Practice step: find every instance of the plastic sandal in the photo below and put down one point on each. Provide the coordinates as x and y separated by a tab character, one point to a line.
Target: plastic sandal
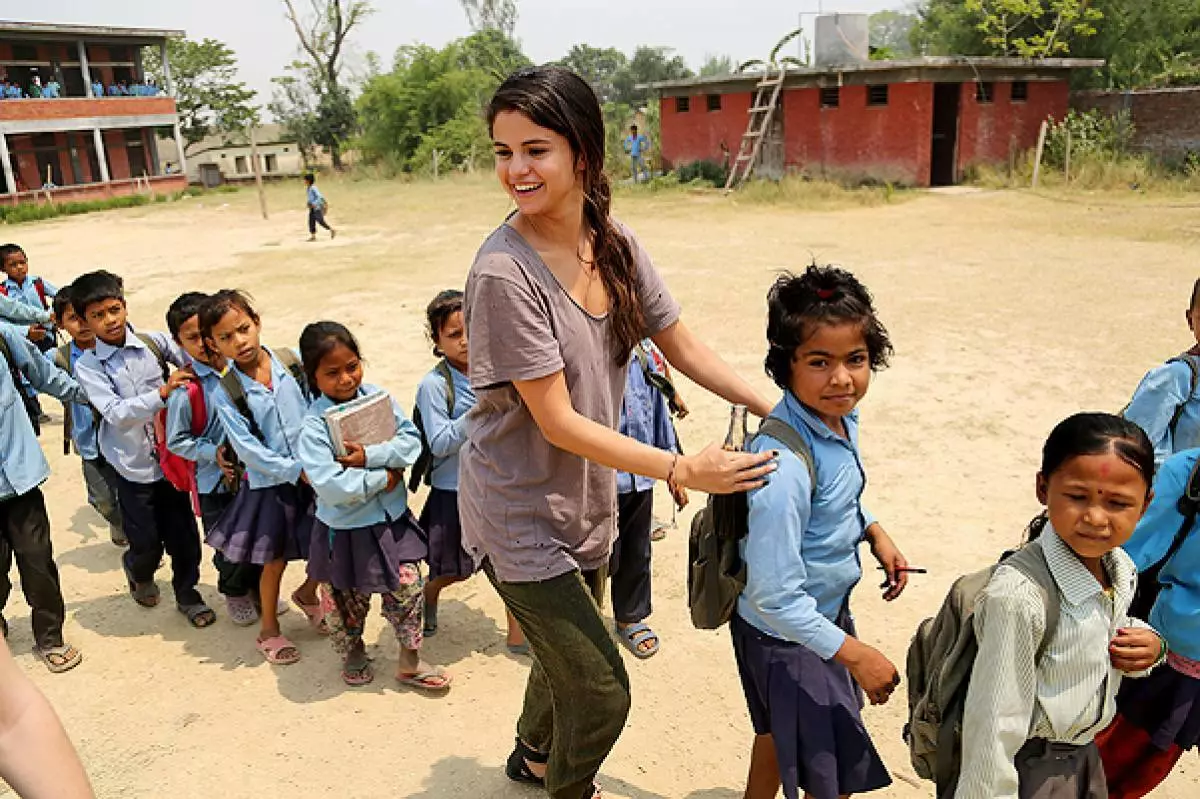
358	671
517	768
273	649
59	658
241	610
316	619
145	594
635	634
423	681
198	615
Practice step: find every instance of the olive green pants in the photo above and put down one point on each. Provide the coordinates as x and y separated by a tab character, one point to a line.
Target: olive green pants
577	698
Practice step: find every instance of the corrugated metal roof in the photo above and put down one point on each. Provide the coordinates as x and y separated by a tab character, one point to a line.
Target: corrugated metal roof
47	29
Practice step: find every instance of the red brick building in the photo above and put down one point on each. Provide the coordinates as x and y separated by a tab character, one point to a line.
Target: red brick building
73	141
918	122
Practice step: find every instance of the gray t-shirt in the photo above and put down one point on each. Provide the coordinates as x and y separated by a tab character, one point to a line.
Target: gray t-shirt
536	511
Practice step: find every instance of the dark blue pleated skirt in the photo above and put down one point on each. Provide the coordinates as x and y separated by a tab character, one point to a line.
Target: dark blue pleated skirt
365	559
440	519
1165	704
266	524
812	708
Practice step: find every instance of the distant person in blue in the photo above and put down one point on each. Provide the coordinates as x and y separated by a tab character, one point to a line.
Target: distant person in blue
637	146
317	206
97	88
52	89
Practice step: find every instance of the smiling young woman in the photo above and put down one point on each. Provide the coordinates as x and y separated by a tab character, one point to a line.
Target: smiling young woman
555	302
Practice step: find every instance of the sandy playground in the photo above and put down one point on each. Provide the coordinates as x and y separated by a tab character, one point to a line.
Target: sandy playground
1008	312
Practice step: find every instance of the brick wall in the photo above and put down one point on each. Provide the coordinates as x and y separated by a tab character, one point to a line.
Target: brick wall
1166	122
165	184
988	133
73	107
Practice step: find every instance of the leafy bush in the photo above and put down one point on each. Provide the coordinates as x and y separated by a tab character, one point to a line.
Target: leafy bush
35	212
710	171
1092	133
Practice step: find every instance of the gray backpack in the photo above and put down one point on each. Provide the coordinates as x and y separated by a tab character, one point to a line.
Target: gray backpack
716	571
940	660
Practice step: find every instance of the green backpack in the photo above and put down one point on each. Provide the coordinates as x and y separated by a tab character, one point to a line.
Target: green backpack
716	571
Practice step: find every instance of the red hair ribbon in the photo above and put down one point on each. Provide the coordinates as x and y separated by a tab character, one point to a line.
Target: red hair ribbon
825	294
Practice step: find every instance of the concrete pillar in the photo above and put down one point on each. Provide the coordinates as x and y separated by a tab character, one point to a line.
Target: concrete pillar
9	177
168	84
101	156
151	135
83	67
179	146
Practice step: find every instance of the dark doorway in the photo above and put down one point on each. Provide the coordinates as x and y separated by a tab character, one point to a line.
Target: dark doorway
135	151
944	155
46	151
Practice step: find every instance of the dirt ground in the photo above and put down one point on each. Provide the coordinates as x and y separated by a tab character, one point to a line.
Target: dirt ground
1008	311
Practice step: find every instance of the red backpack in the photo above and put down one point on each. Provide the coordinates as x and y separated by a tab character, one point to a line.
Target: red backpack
38	286
179	471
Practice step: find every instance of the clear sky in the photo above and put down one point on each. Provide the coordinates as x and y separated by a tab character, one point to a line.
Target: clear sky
265	43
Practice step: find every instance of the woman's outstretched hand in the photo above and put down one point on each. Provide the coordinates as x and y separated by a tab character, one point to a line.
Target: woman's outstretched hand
715	470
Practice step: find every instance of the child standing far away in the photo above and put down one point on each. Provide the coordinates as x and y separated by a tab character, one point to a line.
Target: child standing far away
262	407
215	478
1035	703
646	418
444	397
637	145
81	422
128	378
1165	403
802	667
365	541
24	525
36	293
317	206
1158	718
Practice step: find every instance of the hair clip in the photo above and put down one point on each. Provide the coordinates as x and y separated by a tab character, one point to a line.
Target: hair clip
825	294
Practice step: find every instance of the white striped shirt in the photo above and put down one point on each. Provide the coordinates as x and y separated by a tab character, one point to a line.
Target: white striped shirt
1070	696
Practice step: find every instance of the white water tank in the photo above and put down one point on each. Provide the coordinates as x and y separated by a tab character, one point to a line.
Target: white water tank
841	39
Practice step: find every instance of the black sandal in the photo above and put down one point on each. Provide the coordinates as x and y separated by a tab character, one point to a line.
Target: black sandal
517	769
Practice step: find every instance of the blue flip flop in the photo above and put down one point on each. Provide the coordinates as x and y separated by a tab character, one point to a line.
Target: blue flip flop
633	635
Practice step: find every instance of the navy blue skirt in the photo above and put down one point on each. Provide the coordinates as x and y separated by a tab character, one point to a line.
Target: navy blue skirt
262	525
365	559
1166	705
812	708
439	518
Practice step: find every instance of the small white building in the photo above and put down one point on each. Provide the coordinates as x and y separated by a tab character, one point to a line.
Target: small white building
229	156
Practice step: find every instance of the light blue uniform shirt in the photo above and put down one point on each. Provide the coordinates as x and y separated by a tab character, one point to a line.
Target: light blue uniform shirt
201	449
445	431
351	498
636	146
122	383
27	292
644	417
802	552
1161	391
279	412
83	420
1176	613
315	198
15	311
23	466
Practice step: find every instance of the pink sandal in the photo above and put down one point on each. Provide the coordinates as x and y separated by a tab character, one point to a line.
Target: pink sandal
274	649
315	617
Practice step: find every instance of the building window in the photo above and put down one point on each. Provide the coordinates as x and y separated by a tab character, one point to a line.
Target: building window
272	163
239	165
831	98
24	52
683	105
985	93
1020	91
877	95
285	149
714	102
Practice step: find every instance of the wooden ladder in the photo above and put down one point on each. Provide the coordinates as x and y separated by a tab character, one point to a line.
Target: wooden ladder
762	112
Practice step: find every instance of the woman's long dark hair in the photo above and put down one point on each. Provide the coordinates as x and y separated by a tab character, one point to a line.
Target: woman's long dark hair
1094	434
559	100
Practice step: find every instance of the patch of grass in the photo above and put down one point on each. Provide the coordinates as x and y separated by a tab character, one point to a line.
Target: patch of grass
802	192
36	212
1093	173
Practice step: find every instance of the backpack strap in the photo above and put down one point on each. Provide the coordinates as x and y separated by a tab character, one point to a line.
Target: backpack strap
237	395
40	287
195	393
1193	365
1189	508
287	356
787	435
152	345
62	359
443	368
1030	560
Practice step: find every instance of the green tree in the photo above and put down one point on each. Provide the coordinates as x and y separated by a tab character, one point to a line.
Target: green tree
892	31
945	27
648	65
208	96
323	38
293	105
599	66
1034	28
494	15
718	65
